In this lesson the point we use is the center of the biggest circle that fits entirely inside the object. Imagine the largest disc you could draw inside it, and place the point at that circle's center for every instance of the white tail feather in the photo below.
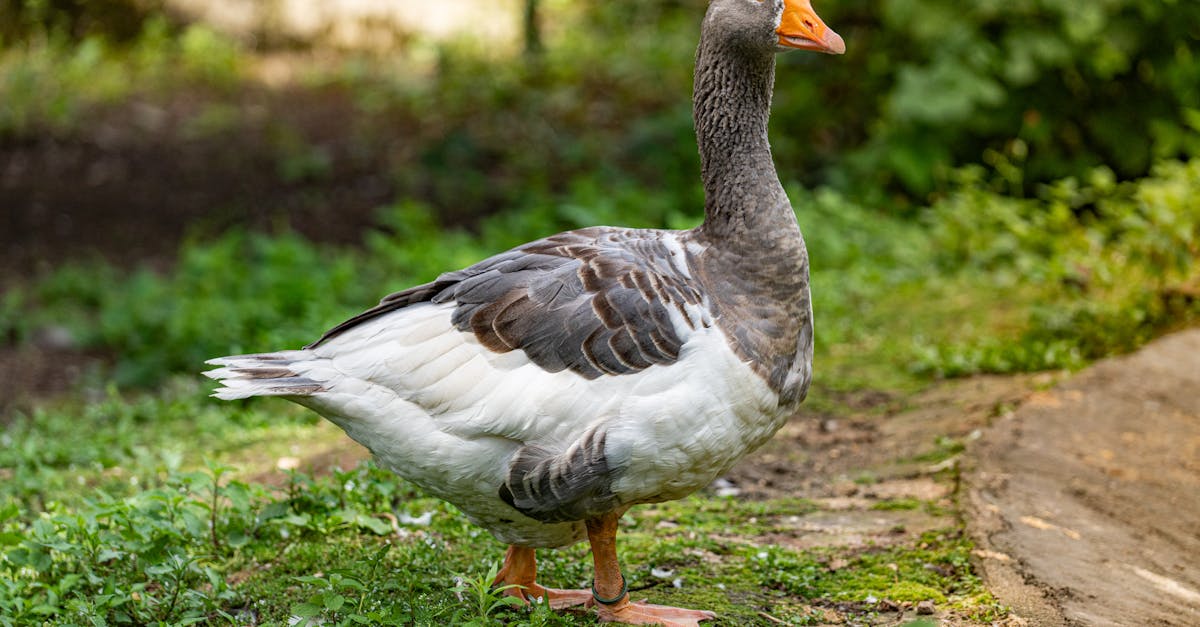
(266, 374)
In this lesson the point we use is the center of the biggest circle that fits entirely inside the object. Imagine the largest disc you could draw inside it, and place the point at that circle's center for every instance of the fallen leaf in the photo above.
(1038, 523)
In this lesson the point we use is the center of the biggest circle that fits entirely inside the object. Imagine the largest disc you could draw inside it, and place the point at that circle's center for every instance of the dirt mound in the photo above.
(1086, 500)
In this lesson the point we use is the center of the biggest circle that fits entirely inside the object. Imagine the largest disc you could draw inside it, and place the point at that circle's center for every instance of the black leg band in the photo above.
(613, 601)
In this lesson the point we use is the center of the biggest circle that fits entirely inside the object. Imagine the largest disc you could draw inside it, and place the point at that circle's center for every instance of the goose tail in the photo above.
(265, 374)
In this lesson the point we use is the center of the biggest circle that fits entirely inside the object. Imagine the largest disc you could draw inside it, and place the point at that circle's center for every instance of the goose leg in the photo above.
(610, 584)
(520, 570)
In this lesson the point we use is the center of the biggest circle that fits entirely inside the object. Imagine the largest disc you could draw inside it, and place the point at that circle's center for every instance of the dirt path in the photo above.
(1085, 502)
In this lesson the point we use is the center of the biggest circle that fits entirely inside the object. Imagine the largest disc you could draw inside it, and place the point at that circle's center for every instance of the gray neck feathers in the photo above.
(731, 106)
(754, 261)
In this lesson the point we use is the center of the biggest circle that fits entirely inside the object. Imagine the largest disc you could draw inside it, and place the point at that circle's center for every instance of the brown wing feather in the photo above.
(595, 301)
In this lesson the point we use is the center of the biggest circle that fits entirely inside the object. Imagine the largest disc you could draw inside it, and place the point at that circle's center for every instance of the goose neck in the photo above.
(731, 108)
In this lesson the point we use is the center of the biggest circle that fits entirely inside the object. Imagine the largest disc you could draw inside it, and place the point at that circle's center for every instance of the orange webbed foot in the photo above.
(611, 589)
(518, 579)
(558, 599)
(642, 613)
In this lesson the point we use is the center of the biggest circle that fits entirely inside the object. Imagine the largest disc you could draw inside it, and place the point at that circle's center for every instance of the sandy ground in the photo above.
(1086, 501)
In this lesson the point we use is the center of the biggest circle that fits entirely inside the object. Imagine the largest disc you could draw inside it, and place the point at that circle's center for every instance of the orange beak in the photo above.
(803, 29)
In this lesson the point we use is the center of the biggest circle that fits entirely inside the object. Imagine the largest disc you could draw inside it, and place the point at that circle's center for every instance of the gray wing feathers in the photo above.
(595, 301)
(573, 485)
(592, 301)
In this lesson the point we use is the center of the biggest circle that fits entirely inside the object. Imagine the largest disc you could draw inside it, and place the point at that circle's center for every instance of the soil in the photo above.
(30, 373)
(880, 444)
(140, 178)
(1085, 502)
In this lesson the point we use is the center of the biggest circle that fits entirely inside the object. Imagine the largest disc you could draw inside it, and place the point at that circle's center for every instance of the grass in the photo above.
(138, 529)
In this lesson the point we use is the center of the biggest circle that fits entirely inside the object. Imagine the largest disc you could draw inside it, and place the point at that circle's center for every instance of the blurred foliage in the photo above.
(1051, 88)
(1046, 89)
(119, 20)
(52, 85)
(244, 291)
(1088, 270)
(1119, 261)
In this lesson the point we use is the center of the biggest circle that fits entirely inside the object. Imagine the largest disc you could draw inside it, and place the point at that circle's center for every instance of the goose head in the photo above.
(772, 25)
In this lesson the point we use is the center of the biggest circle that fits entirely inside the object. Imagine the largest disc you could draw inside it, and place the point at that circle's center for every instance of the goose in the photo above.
(546, 390)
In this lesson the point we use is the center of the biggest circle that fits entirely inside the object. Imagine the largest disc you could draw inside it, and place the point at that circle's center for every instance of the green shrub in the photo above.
(1045, 89)
(1080, 273)
(1052, 88)
(116, 19)
(1116, 264)
(53, 84)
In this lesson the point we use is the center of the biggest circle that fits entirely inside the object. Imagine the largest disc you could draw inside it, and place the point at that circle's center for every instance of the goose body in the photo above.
(529, 444)
(547, 389)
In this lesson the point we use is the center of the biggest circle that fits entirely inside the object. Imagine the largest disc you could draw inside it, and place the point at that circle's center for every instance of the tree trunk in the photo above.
(533, 32)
